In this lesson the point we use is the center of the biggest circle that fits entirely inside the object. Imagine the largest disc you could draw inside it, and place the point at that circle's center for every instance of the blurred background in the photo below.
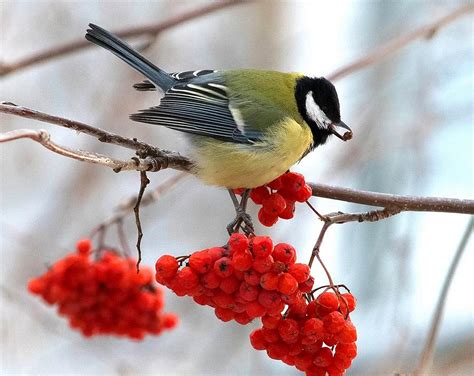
(412, 115)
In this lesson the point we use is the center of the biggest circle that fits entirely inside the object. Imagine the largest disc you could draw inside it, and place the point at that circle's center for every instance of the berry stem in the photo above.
(317, 246)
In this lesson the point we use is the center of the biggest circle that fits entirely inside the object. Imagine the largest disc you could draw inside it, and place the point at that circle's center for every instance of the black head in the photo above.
(318, 104)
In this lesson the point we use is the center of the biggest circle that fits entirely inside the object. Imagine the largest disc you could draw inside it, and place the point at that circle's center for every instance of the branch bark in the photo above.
(396, 44)
(161, 158)
(44, 138)
(151, 29)
(403, 203)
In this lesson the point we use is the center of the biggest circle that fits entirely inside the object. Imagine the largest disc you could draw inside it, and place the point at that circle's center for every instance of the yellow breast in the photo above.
(233, 165)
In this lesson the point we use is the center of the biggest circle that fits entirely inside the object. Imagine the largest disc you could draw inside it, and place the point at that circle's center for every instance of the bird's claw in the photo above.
(242, 220)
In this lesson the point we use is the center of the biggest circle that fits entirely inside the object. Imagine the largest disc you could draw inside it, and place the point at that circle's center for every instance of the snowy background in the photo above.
(412, 117)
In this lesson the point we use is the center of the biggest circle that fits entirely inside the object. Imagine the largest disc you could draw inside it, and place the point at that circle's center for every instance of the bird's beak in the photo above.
(337, 129)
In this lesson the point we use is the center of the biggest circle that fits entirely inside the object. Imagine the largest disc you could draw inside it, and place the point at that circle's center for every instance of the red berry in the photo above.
(304, 193)
(307, 286)
(287, 284)
(252, 277)
(292, 181)
(300, 272)
(334, 322)
(288, 330)
(216, 253)
(323, 358)
(248, 292)
(285, 253)
(313, 328)
(262, 246)
(230, 284)
(242, 318)
(270, 299)
(242, 261)
(255, 309)
(263, 265)
(267, 219)
(211, 280)
(238, 242)
(259, 194)
(303, 361)
(277, 350)
(84, 246)
(166, 267)
(200, 262)
(257, 340)
(187, 278)
(223, 267)
(348, 333)
(269, 281)
(328, 301)
(274, 204)
(271, 322)
(289, 211)
(348, 350)
(350, 300)
(224, 314)
(36, 286)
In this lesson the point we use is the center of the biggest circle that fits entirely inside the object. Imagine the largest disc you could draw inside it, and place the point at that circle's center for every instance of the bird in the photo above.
(245, 127)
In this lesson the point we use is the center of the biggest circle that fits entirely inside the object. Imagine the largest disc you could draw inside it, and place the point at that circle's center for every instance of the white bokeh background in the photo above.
(412, 115)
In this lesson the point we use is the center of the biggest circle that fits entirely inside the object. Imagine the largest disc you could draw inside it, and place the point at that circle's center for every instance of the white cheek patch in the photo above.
(315, 113)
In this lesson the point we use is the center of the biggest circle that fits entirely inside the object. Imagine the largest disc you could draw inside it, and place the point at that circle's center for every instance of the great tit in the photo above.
(246, 126)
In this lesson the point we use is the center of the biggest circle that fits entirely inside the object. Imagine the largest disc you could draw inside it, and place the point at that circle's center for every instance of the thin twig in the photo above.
(403, 203)
(126, 208)
(339, 218)
(151, 30)
(44, 138)
(161, 159)
(144, 181)
(396, 44)
(317, 246)
(426, 357)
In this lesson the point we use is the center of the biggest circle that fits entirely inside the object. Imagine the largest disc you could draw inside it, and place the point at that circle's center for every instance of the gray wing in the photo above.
(200, 106)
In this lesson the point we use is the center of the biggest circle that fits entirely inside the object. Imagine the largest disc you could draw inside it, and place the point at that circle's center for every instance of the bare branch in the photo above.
(403, 203)
(144, 181)
(44, 139)
(162, 158)
(339, 218)
(151, 30)
(127, 207)
(396, 44)
(426, 357)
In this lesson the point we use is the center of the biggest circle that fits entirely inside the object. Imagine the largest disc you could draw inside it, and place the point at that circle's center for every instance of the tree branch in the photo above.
(161, 158)
(395, 44)
(44, 139)
(403, 203)
(151, 29)
(426, 357)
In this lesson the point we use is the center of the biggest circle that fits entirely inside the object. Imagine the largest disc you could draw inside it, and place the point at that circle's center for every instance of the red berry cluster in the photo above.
(316, 337)
(278, 197)
(104, 296)
(247, 278)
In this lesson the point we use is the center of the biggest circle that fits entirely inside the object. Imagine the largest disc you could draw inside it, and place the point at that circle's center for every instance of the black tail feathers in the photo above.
(119, 48)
